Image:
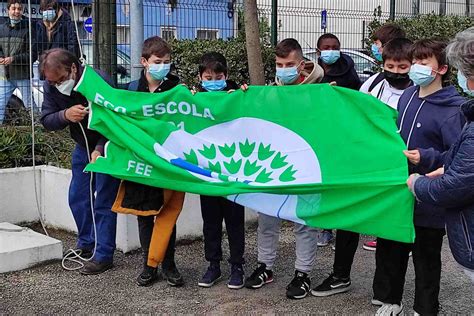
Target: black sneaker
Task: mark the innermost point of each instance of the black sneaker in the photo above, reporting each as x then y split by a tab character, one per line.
332	285
148	276
259	277
299	287
236	280
173	276
211	276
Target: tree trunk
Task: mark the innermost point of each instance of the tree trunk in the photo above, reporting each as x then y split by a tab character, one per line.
252	36
105	36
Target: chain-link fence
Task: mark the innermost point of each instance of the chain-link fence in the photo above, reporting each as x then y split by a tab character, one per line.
105	31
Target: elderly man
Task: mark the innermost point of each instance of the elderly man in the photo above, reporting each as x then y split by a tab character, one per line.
63	107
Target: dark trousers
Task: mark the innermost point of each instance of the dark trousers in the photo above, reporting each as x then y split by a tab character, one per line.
391	258
145	230
346	247
105	188
214	210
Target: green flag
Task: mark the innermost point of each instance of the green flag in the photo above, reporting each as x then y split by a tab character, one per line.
324	156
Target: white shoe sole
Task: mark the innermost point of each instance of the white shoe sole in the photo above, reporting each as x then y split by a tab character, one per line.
208	284
261	284
298	297
235	287
376	302
369	248
331	292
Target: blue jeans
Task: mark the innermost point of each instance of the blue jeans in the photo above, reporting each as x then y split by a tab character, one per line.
105	188
7	87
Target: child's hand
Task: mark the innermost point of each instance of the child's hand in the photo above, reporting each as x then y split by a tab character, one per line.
333	83
244	87
231	90
413	156
193	91
436	173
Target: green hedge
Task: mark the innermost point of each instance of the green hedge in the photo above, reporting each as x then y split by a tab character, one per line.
186	55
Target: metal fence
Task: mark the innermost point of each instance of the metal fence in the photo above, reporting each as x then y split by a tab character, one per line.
106	35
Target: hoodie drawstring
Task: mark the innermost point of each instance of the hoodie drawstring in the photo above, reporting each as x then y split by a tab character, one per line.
405	112
413	124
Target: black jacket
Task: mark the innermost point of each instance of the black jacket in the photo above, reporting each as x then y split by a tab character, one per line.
343	73
63	35
454	191
139	197
52	115
14	42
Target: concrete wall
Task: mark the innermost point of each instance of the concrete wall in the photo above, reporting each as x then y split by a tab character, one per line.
17	196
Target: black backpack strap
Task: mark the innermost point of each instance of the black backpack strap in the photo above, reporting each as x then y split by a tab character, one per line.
380	77
133	85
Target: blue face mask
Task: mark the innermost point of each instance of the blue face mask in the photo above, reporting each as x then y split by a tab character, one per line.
287	75
49	15
376	52
15	21
214	85
462	81
421	75
329	57
159	71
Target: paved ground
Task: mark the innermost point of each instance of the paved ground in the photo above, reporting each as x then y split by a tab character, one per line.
49	289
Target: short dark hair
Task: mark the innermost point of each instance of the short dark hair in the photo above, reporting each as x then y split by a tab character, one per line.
213	61
155	46
426	48
286	46
57	58
12	2
46	4
398	49
327	36
387	32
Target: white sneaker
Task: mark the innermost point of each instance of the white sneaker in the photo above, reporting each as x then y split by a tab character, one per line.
376	302
389	310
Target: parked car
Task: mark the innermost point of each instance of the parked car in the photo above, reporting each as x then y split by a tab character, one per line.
364	64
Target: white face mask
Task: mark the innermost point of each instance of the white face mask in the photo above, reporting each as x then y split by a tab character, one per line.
66	86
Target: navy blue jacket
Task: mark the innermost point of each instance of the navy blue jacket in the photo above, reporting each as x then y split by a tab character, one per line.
431	125
63	35
455	191
52	114
343	73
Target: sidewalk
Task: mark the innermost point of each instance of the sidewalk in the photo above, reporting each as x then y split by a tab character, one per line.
49	289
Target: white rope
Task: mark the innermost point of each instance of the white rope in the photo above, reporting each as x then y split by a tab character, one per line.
73	255
33	119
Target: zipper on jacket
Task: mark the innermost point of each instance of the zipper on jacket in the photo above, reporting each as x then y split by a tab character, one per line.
466	235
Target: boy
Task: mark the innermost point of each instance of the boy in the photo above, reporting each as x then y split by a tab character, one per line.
291	69
134	198
213	76
338	69
396	62
382	36
430	122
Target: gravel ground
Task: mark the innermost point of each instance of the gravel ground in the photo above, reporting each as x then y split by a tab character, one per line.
48	289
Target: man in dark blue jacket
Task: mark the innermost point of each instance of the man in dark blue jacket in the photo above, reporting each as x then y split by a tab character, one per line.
15	57
430	122
63	107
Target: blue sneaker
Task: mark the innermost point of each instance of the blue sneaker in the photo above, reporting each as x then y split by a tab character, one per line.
324	238
236	280
212	275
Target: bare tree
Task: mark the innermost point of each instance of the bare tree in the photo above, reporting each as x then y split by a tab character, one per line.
252	36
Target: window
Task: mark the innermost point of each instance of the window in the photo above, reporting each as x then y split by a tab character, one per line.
207	34
123	34
168	33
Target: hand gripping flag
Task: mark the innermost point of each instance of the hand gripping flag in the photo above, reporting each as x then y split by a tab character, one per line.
323	156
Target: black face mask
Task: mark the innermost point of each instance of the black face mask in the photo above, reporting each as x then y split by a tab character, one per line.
398	81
